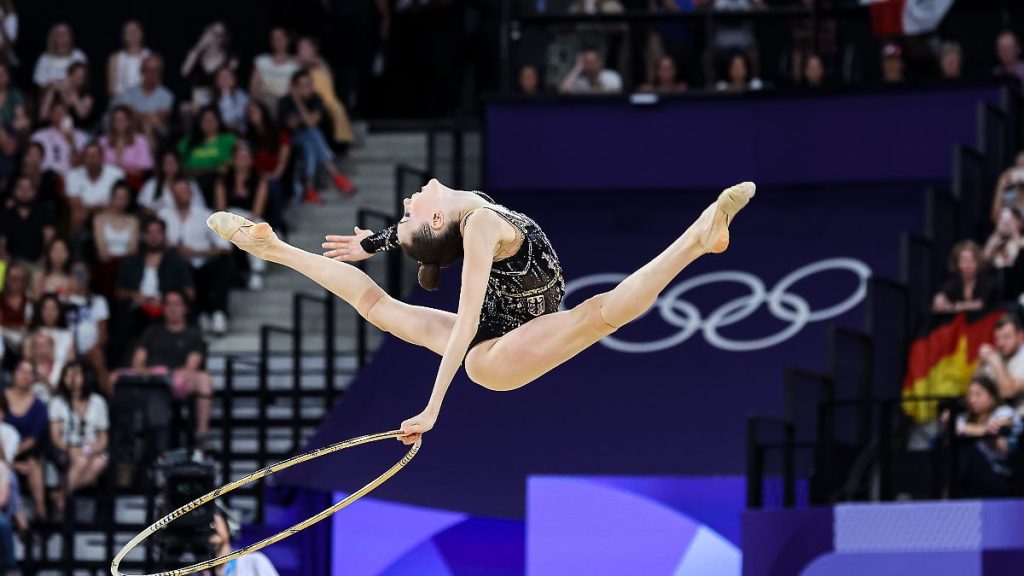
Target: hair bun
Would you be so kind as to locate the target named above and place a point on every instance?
(429, 276)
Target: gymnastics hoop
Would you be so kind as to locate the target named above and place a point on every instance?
(207, 564)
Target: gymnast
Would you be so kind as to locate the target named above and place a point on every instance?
(508, 330)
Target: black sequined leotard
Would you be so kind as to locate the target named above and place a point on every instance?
(521, 287)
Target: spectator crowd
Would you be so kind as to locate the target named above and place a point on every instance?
(107, 268)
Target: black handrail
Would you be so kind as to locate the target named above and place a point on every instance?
(755, 460)
(264, 385)
(393, 279)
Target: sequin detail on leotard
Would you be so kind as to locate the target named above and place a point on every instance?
(523, 286)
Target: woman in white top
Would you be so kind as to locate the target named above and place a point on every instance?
(124, 67)
(272, 73)
(52, 65)
(79, 423)
(156, 192)
(115, 231)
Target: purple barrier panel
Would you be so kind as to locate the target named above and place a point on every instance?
(376, 538)
(1002, 562)
(897, 564)
(613, 526)
(1002, 525)
(784, 542)
(608, 143)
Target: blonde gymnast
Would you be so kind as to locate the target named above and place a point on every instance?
(508, 330)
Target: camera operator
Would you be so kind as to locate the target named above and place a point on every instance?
(225, 529)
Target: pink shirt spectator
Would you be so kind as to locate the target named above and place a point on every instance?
(135, 158)
(58, 153)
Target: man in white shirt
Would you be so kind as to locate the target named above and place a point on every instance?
(1004, 362)
(88, 186)
(208, 254)
(589, 76)
(60, 141)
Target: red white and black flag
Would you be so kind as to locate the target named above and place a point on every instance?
(907, 17)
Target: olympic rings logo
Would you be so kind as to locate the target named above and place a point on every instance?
(782, 304)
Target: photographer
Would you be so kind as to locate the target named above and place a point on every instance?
(1009, 189)
(225, 529)
(1003, 248)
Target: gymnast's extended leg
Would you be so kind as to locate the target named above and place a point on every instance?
(418, 325)
(540, 345)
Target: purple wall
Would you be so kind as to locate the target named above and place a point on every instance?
(886, 136)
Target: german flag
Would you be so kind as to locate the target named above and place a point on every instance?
(942, 361)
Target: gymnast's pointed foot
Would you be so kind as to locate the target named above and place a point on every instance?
(256, 239)
(713, 224)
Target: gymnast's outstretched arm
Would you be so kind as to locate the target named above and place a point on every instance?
(481, 237)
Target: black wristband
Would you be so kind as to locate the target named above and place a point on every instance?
(386, 239)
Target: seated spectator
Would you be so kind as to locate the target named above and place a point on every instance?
(951, 60)
(151, 100)
(176, 350)
(79, 424)
(814, 72)
(207, 149)
(272, 73)
(589, 76)
(1003, 248)
(49, 319)
(15, 126)
(28, 415)
(243, 191)
(114, 230)
(969, 288)
(988, 426)
(529, 80)
(734, 35)
(8, 31)
(211, 53)
(88, 314)
(9, 440)
(125, 148)
(666, 80)
(892, 64)
(55, 275)
(46, 183)
(230, 99)
(73, 91)
(739, 77)
(271, 150)
(323, 86)
(1004, 361)
(271, 146)
(15, 306)
(208, 255)
(143, 279)
(60, 54)
(302, 113)
(1009, 189)
(224, 527)
(88, 186)
(156, 192)
(60, 141)
(26, 226)
(1008, 52)
(124, 67)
